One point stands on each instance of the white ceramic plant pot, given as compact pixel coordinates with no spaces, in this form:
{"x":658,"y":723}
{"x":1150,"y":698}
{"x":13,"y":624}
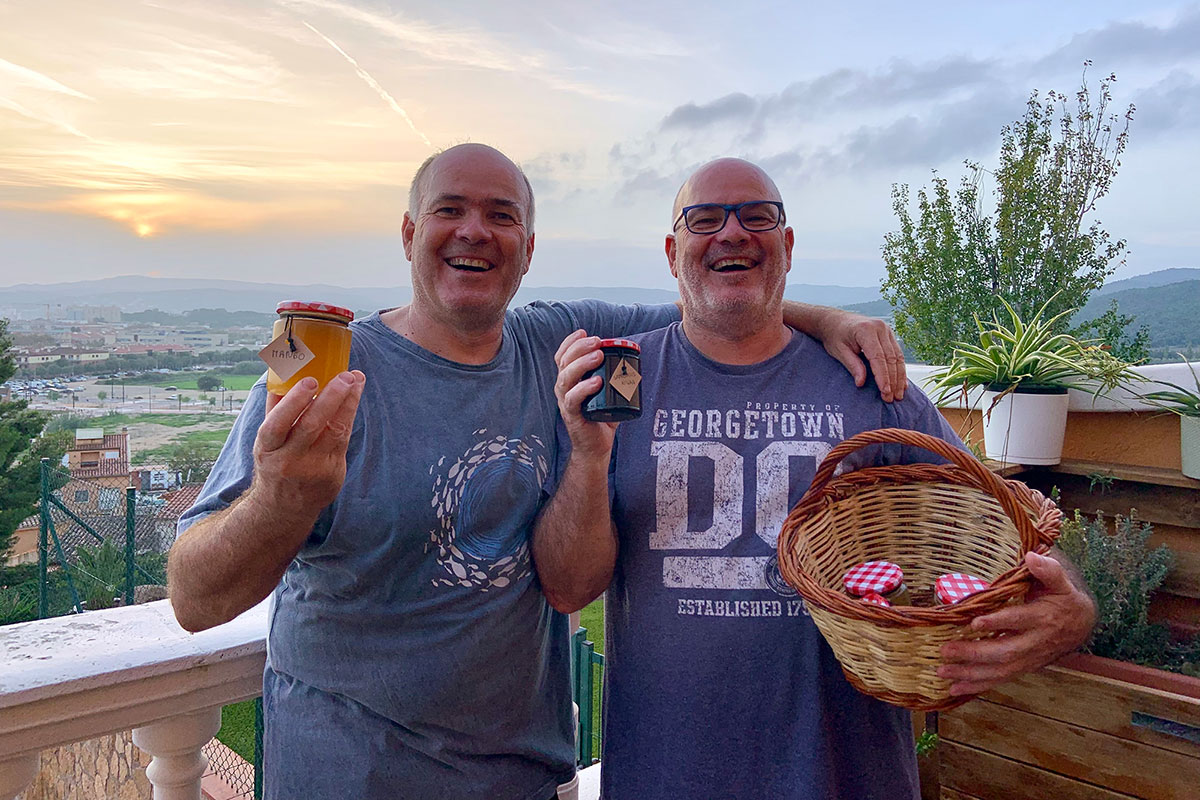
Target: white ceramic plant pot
{"x":1025,"y":427}
{"x":1189,"y":446}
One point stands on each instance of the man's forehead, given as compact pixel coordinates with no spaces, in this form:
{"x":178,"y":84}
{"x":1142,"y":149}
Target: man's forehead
{"x":728,"y":181}
{"x":474,"y":175}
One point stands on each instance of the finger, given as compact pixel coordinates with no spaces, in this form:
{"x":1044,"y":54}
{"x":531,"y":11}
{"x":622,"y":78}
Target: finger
{"x":899,"y":372}
{"x":576,"y":370}
{"x":992,"y":650}
{"x":1049,"y":573}
{"x":877,"y":358}
{"x":578,"y":349}
{"x":272,"y":400}
{"x":312,"y":424}
{"x":282,"y":414}
{"x":572,"y":337}
{"x":577,"y":395}
{"x":849,"y":358}
{"x":336,"y":436}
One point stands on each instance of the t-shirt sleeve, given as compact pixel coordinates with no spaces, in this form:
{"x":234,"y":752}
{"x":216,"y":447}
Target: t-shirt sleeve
{"x":608,"y":320}
{"x":234,"y":467}
{"x":917,"y":412}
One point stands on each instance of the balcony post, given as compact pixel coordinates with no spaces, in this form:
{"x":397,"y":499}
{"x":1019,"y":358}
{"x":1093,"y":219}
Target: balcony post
{"x":177,"y":762}
{"x":16,"y":773}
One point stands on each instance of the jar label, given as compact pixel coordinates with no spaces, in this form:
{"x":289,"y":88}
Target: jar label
{"x":625,"y":379}
{"x":286,"y":355}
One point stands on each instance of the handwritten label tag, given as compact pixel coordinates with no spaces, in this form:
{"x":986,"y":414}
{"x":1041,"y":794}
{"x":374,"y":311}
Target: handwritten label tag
{"x":285,"y":359}
{"x":625,"y":379}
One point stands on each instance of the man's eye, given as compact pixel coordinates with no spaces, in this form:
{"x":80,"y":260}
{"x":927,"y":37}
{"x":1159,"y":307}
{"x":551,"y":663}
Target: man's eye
{"x":504,"y":218}
{"x":447,"y":211}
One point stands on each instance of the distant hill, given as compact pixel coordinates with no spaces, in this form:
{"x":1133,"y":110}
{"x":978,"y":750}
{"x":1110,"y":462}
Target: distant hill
{"x":135,"y":294}
{"x":1163,"y":277}
{"x":1172,"y":311}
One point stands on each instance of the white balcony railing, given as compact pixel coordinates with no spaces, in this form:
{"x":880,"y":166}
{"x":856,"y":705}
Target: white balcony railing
{"x":69,"y":679}
{"x":74,"y":678}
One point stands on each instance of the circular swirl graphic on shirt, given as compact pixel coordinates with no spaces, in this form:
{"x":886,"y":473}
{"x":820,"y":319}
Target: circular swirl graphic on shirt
{"x":485,"y":501}
{"x":775,"y":580}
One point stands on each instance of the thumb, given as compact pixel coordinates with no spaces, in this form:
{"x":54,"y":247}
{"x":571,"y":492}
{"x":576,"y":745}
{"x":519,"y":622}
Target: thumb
{"x":1049,"y":573}
{"x":851,"y":361}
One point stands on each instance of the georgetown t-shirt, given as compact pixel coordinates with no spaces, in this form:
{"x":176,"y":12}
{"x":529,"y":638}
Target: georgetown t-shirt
{"x":718,"y":684}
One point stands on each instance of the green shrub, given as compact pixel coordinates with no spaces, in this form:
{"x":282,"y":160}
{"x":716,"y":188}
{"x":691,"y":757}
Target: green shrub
{"x":1123,"y":572}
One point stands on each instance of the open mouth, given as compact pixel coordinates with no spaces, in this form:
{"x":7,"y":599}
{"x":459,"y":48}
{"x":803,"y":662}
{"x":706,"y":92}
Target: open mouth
{"x":732,"y":265}
{"x":469,"y":264}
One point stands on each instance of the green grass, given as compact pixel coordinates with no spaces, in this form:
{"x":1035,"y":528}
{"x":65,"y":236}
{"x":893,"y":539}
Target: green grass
{"x":113,"y":422}
{"x":592,"y":618}
{"x":237,"y":729}
{"x":215,"y":438}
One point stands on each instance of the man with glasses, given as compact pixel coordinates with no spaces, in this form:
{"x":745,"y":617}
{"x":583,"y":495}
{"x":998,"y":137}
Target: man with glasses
{"x":717,"y":683}
{"x":411,"y":651}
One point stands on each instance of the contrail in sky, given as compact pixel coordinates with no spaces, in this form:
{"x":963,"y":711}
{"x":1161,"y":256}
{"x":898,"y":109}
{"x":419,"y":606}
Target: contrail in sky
{"x":374,"y":84}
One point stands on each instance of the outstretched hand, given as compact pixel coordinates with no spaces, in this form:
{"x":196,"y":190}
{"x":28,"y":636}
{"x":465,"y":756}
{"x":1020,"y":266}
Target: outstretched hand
{"x":1055,"y":619}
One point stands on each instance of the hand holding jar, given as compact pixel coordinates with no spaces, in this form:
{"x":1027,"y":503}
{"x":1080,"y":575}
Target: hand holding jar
{"x":597,"y":387}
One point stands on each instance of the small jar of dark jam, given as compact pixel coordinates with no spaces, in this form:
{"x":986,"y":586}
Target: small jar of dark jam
{"x":620,"y":398}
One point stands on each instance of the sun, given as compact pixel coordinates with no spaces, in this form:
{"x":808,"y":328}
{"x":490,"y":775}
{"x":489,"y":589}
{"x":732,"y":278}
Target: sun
{"x":144,"y":230}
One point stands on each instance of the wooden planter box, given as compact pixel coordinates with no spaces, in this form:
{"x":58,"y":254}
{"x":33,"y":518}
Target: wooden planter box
{"x":1086,"y":727}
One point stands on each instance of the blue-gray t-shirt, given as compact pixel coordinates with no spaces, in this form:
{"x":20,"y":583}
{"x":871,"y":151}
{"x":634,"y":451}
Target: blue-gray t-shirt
{"x":414,"y":596}
{"x":718,"y":684}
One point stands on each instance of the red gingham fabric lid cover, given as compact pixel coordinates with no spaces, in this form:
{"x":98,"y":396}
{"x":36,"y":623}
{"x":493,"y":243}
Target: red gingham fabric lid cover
{"x":958,"y":586}
{"x":320,"y":308}
{"x":876,"y":600}
{"x":880,"y":577}
{"x":620,"y":343}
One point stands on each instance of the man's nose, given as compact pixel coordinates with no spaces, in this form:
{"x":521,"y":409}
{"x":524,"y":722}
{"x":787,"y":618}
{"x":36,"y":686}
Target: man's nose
{"x":733,"y":232}
{"x":473,"y":227}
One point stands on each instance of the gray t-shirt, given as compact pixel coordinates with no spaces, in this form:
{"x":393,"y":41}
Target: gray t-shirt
{"x":414,"y":597}
{"x":718,"y":684}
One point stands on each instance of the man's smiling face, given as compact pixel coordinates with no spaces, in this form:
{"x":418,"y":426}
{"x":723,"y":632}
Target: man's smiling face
{"x":468,"y":243}
{"x":733,"y":276}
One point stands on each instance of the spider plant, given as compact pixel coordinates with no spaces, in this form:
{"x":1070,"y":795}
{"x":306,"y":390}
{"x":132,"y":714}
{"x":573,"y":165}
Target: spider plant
{"x":1177,"y":399}
{"x":1029,"y":356}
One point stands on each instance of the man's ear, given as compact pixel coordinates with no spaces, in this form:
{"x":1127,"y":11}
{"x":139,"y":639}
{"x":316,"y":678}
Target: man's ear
{"x":407,"y":229}
{"x":528,"y":254}
{"x":670,"y":247}
{"x":789,"y":240}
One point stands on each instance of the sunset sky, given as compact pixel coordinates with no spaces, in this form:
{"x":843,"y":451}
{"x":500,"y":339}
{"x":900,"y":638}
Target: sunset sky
{"x":273,"y":140}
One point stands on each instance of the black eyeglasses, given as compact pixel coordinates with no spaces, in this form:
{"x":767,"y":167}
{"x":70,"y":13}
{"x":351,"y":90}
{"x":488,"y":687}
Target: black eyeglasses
{"x":756,"y":216}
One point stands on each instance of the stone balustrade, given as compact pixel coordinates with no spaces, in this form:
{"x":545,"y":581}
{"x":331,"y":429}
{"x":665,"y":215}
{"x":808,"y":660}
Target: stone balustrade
{"x":68,"y":679}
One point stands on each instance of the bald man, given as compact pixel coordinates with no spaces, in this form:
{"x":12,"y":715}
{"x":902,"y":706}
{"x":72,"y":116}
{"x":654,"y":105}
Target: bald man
{"x":717,"y":683}
{"x":411,"y":651}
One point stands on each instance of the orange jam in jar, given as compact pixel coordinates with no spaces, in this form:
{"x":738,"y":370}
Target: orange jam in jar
{"x":316,"y":339}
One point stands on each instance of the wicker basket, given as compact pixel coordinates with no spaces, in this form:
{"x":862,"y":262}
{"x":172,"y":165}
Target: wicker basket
{"x":930,"y":520}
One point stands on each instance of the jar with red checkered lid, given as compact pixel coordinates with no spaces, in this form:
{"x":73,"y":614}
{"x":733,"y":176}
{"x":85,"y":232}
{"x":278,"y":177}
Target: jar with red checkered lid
{"x":957,"y":586}
{"x":882,"y":578}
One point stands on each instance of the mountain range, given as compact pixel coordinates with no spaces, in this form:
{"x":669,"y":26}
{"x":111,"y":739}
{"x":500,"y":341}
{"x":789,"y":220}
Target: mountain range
{"x":1166,"y":300}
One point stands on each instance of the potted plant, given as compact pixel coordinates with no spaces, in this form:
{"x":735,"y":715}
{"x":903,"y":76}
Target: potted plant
{"x":1185,"y":403}
{"x":1026,"y":370}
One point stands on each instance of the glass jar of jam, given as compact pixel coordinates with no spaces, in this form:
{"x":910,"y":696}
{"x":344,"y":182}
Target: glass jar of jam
{"x":308,"y":339}
{"x":620,"y":398}
{"x":881,"y":578}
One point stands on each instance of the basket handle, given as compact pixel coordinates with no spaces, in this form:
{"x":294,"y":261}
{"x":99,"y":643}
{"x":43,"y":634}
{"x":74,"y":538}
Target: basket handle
{"x":985,"y":478}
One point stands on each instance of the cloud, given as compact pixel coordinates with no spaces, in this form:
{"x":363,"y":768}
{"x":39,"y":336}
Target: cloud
{"x":911,"y":113}
{"x":458,"y":46}
{"x":14,"y":75}
{"x":1129,"y":41}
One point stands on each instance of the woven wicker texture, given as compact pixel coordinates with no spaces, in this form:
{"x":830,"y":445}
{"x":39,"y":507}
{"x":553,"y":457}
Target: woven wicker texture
{"x":930,"y":520}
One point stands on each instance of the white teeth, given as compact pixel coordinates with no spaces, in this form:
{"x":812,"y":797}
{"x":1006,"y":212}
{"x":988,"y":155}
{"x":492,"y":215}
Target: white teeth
{"x":732,"y":262}
{"x":475,"y":263}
